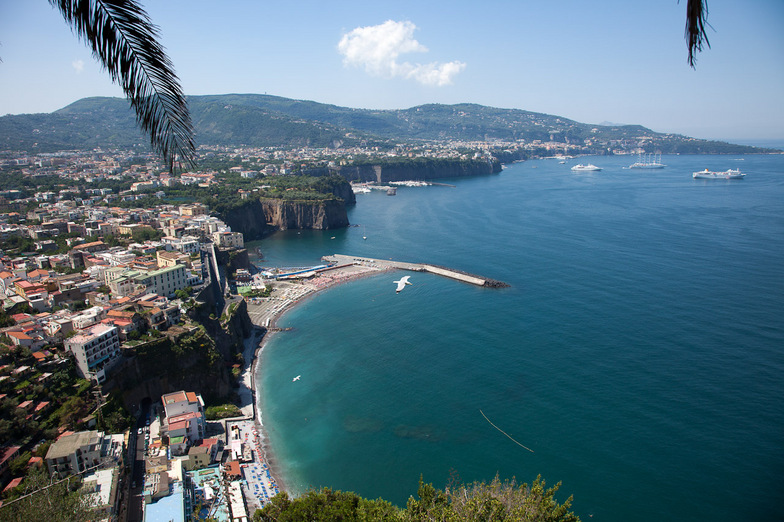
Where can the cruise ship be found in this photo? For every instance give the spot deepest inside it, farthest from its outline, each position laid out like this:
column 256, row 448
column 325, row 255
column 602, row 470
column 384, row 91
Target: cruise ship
column 588, row 167
column 725, row 174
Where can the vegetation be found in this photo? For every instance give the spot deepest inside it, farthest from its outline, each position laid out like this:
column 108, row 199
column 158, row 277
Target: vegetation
column 122, row 37
column 68, row 399
column 269, row 121
column 41, row 499
column 496, row 501
column 223, row 197
column 222, row 411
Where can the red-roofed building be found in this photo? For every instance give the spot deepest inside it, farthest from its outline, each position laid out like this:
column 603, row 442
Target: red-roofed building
column 37, row 275
column 28, row 290
column 22, row 318
column 41, row 356
column 214, row 446
column 184, row 416
column 7, row 454
column 11, row 485
column 233, row 470
column 41, row 407
column 20, row 338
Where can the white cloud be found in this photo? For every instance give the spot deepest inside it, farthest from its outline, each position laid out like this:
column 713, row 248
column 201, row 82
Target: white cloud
column 377, row 48
column 78, row 65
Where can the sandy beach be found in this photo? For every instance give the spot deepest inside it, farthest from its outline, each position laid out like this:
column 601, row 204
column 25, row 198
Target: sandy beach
column 264, row 313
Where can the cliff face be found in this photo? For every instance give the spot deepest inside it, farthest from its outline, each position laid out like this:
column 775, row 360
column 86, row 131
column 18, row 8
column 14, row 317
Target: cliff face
column 262, row 217
column 321, row 215
column 162, row 366
column 425, row 170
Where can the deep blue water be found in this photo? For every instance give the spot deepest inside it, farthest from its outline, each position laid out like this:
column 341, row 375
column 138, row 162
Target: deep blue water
column 639, row 351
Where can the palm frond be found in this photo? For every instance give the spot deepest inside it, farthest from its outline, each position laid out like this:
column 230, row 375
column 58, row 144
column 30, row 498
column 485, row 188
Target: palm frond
column 696, row 21
column 122, row 37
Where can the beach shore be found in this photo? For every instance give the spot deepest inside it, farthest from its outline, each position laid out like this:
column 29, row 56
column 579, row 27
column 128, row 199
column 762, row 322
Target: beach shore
column 264, row 314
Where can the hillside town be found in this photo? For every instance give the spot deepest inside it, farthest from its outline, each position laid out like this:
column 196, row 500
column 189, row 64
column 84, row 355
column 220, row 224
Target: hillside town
column 84, row 285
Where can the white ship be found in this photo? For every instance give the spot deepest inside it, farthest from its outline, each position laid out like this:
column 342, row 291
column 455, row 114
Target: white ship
column 588, row 167
column 650, row 161
column 725, row 174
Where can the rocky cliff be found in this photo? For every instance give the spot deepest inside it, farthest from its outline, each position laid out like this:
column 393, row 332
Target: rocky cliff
column 188, row 362
column 427, row 169
column 318, row 215
column 262, row 217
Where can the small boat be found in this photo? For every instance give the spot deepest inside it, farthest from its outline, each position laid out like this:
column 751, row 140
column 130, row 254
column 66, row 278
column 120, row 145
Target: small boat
column 724, row 174
column 588, row 167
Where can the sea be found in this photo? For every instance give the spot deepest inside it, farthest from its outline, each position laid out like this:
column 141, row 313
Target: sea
column 637, row 356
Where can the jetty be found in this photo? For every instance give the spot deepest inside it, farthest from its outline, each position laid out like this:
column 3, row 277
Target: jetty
column 384, row 264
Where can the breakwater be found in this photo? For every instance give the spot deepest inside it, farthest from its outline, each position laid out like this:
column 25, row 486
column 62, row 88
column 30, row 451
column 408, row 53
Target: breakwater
column 341, row 259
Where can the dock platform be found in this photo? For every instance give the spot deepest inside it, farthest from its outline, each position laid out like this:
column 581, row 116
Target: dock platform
column 341, row 259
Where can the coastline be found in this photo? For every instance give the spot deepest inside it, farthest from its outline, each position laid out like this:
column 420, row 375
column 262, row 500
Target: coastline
column 264, row 315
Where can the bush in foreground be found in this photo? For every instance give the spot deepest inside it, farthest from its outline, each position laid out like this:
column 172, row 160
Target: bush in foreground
column 496, row 501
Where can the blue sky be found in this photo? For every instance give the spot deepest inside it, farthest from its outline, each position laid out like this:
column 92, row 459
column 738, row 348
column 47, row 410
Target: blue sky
column 608, row 61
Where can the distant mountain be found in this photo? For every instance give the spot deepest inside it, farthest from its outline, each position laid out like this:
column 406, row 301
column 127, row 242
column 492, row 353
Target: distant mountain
column 264, row 121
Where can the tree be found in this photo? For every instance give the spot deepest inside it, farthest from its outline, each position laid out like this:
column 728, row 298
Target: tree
column 326, row 505
column 494, row 502
column 18, row 465
column 696, row 20
column 42, row 499
column 509, row 501
column 122, row 37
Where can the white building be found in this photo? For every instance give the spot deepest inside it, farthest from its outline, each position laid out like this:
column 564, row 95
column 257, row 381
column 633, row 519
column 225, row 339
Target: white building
column 96, row 351
column 164, row 281
column 185, row 244
column 185, row 421
column 228, row 239
column 80, row 451
column 87, row 318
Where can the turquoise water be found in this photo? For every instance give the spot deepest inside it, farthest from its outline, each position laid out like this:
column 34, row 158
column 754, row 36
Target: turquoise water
column 638, row 352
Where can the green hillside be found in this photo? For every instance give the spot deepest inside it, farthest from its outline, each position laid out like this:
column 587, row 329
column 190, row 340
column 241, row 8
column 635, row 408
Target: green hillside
column 257, row 120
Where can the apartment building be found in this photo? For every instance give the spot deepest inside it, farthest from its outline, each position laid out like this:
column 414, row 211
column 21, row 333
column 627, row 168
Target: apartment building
column 96, row 351
column 228, row 239
column 77, row 452
column 185, row 421
column 164, row 281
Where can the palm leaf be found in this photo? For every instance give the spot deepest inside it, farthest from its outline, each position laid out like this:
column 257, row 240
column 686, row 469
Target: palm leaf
column 122, row 37
column 696, row 21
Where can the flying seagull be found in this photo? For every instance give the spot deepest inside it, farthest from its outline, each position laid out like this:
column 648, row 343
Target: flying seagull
column 401, row 284
column 296, row 378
